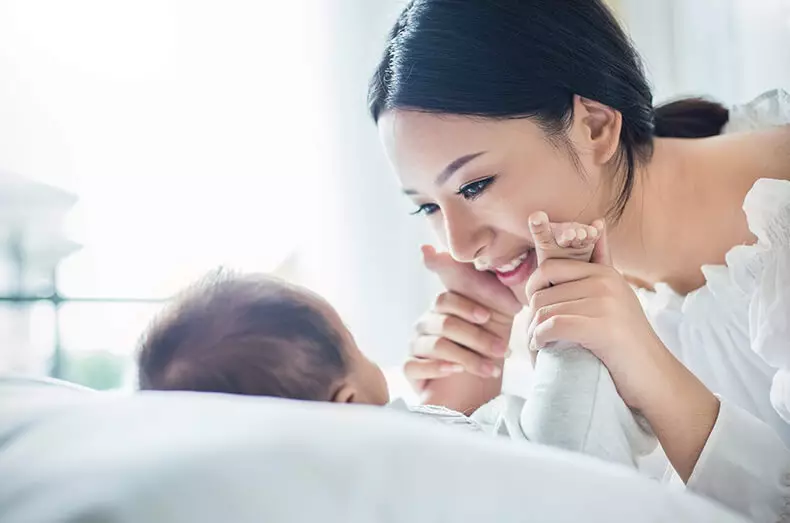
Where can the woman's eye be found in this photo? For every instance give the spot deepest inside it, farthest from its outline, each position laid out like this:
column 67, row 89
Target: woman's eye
column 426, row 209
column 472, row 190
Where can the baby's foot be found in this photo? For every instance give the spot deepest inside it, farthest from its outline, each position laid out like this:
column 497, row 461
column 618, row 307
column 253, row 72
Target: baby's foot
column 563, row 240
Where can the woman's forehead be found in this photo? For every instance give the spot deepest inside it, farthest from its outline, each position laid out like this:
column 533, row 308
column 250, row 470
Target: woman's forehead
column 419, row 143
column 418, row 126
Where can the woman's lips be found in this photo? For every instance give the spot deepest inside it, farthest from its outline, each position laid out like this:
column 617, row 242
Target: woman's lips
column 520, row 274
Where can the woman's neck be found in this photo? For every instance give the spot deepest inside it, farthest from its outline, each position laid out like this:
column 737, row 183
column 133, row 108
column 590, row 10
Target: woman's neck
column 685, row 211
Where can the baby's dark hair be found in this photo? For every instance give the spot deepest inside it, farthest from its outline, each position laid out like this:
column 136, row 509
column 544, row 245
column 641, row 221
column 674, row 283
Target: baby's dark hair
column 246, row 334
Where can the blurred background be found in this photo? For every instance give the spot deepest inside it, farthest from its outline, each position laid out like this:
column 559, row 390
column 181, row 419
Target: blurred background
column 144, row 143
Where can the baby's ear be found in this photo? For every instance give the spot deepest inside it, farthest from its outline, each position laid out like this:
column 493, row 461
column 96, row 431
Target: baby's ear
column 345, row 394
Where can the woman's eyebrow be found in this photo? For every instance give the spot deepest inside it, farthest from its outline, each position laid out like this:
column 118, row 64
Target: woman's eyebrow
column 450, row 170
column 454, row 166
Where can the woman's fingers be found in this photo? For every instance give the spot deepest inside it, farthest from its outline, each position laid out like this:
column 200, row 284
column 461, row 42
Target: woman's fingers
column 570, row 291
column 560, row 271
column 461, row 306
column 460, row 331
column 418, row 370
column 561, row 327
column 553, row 320
column 443, row 349
column 483, row 287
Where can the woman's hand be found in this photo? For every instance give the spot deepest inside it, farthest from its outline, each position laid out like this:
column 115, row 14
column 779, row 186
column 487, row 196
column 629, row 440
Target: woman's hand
column 592, row 304
column 457, row 335
column 461, row 341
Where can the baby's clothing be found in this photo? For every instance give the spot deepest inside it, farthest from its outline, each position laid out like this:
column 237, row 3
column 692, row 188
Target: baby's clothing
column 574, row 405
column 440, row 415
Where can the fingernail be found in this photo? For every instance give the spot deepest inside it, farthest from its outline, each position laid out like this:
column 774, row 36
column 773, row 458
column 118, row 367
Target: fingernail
column 532, row 345
column 539, row 218
column 452, row 369
column 489, row 369
column 508, row 353
column 500, row 348
column 482, row 315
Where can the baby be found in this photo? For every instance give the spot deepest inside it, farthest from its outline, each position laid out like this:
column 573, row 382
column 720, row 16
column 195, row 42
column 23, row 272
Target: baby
column 256, row 335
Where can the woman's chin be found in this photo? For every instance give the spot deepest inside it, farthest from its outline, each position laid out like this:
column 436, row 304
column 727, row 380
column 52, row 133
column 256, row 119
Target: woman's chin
column 520, row 292
column 516, row 280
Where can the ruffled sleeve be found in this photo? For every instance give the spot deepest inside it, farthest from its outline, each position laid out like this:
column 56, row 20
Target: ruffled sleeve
column 745, row 465
column 770, row 109
column 768, row 209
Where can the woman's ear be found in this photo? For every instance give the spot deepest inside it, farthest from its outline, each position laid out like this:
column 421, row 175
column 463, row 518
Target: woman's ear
column 345, row 393
column 600, row 127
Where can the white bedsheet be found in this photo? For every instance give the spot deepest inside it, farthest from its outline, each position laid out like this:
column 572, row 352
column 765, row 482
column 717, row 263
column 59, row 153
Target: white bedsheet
column 68, row 456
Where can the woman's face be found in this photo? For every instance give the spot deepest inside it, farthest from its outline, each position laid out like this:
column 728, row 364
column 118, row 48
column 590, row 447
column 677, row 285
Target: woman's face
column 478, row 180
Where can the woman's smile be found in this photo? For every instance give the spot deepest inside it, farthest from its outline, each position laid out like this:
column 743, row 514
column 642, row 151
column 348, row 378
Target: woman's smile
column 514, row 272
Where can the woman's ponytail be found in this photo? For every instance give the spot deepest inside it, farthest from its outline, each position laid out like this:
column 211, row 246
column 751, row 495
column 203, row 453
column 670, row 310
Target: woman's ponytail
column 690, row 118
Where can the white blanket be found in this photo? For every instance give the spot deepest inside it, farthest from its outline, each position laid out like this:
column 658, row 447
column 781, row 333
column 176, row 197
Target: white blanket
column 68, row 456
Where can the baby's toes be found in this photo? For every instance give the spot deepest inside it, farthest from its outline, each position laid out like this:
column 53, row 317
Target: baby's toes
column 580, row 240
column 565, row 236
column 591, row 235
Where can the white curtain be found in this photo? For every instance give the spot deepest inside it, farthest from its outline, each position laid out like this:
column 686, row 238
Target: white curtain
column 363, row 253
column 205, row 132
column 732, row 50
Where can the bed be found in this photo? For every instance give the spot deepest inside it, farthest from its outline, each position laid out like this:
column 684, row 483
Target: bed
column 68, row 454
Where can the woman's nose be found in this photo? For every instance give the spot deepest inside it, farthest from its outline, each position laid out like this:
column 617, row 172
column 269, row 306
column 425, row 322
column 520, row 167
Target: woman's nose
column 465, row 239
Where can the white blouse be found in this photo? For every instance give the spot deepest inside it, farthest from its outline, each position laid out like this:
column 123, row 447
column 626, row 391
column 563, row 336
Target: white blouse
column 734, row 335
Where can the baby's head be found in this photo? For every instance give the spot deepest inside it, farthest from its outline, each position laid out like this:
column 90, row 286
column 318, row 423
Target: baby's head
column 253, row 334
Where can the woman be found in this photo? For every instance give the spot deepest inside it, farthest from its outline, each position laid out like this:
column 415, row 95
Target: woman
column 492, row 111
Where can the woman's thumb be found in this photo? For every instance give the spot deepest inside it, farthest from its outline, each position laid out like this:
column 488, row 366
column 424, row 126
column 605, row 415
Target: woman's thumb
column 601, row 252
column 428, row 256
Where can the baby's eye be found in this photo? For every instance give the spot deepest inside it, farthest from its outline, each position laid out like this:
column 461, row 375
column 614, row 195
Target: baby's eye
column 472, row 190
column 426, row 209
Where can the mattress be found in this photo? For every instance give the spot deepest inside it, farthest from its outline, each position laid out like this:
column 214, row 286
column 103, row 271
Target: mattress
column 73, row 455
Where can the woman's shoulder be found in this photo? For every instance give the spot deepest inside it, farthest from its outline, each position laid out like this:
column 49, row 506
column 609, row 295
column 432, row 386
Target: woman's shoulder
column 767, row 204
column 767, row 210
column 770, row 109
column 731, row 286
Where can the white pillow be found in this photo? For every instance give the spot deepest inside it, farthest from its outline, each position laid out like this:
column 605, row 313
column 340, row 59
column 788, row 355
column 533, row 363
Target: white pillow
column 194, row 458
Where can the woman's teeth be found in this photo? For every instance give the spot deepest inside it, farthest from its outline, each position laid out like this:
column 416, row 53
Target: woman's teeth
column 512, row 265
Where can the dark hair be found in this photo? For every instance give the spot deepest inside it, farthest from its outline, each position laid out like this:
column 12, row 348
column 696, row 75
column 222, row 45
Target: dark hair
column 527, row 59
column 690, row 118
column 243, row 334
